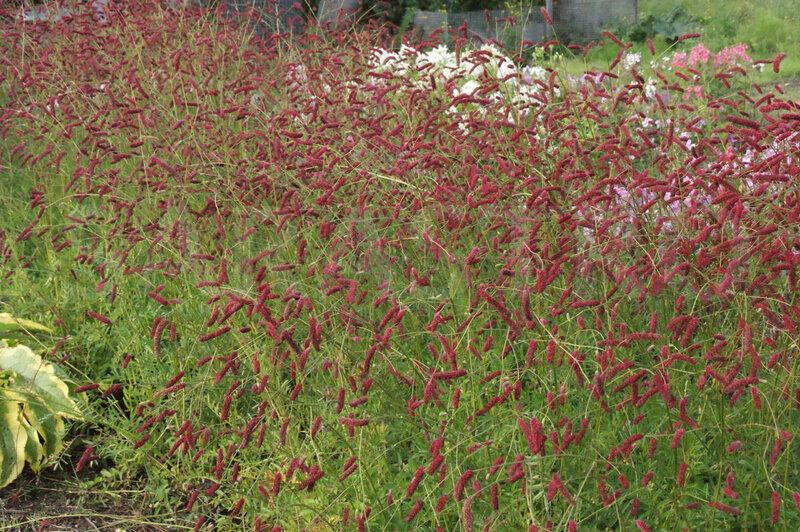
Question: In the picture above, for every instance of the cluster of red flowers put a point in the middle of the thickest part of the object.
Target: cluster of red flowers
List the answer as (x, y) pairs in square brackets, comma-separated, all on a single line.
[(348, 294)]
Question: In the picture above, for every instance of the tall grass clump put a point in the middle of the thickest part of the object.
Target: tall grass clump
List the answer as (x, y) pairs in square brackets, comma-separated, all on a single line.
[(326, 284)]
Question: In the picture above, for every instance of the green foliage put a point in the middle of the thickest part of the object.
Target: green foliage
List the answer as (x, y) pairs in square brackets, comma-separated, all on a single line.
[(671, 25), (187, 415), (768, 27), (33, 405)]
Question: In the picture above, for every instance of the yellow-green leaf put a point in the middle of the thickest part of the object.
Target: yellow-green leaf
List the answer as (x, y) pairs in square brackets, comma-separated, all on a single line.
[(37, 380), (34, 453), (50, 427), (9, 323), (12, 441)]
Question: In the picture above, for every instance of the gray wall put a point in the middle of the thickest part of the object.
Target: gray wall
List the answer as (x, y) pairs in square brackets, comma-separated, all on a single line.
[(585, 19), (277, 16), (485, 25), (573, 20), (337, 12)]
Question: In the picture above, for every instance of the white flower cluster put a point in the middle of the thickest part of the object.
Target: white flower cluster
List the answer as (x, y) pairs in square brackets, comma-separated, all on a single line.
[(650, 88), (631, 60), (439, 57), (466, 73), (388, 61), (532, 72)]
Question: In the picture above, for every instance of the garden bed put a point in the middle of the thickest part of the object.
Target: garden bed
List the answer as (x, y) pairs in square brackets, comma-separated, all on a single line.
[(339, 283)]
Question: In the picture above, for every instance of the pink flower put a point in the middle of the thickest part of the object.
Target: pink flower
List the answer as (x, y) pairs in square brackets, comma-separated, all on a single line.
[(679, 60), (699, 54), (731, 54), (693, 90)]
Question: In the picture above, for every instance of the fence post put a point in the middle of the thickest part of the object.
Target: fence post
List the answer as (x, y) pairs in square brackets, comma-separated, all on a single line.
[(548, 31)]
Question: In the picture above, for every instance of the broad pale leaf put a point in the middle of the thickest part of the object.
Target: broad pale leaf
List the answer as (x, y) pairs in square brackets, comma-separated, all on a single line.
[(13, 437), (9, 323), (38, 380), (34, 452), (50, 427)]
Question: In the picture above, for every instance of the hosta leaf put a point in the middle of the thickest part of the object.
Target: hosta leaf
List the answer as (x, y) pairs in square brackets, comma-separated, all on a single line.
[(50, 427), (34, 452), (12, 441), (38, 380), (9, 323)]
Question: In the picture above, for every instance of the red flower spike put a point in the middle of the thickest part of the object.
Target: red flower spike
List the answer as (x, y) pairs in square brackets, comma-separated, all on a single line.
[(614, 38), (677, 438), (237, 507), (440, 503), (776, 507), (458, 490), (98, 317), (467, 516), (415, 480), (776, 449), (729, 491), (724, 508), (682, 474), (214, 334), (776, 63), (85, 457)]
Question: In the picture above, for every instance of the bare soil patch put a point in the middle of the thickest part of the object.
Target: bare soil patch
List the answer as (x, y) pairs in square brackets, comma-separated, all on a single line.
[(53, 503)]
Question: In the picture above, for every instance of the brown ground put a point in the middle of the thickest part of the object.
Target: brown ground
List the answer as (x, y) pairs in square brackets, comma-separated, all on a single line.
[(52, 503)]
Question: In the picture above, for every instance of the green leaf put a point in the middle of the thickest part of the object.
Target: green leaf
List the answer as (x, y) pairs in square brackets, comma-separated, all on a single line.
[(34, 452), (9, 323), (12, 441), (50, 427), (38, 380)]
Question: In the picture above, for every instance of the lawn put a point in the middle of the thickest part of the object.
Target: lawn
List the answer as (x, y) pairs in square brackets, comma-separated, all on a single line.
[(333, 283)]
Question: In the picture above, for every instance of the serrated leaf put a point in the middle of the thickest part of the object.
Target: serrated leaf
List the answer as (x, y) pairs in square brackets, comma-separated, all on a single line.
[(38, 380), (12, 441), (9, 323)]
